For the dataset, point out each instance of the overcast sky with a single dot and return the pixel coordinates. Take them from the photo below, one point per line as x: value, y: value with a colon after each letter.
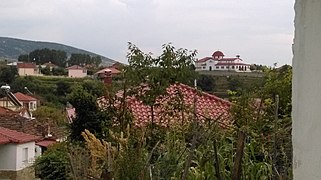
x: 261, y: 31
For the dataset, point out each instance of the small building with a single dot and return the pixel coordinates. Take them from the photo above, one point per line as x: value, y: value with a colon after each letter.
x: 77, y: 71
x: 218, y: 62
x: 28, y: 102
x: 17, y: 154
x: 28, y: 69
x: 49, y: 65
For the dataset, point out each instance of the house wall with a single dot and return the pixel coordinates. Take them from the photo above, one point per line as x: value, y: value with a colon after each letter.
x: 8, y: 159
x: 306, y: 99
x: 77, y: 73
x: 31, y: 155
x: 27, y: 72
x: 9, y: 105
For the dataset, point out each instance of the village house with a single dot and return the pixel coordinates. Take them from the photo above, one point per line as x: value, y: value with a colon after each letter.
x: 77, y: 71
x: 49, y: 65
x: 207, y: 107
x: 19, y: 102
x: 17, y: 153
x: 28, y: 69
x: 218, y: 62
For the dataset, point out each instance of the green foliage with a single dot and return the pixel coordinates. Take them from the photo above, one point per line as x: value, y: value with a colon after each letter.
x: 7, y: 74
x: 206, y: 82
x: 83, y: 59
x: 53, y: 164
x: 88, y: 115
x: 47, y: 114
x: 41, y: 56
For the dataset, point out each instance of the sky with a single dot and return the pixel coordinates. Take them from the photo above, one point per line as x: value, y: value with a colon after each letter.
x: 260, y: 31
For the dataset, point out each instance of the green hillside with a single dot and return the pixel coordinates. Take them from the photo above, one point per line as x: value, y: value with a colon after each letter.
x: 11, y: 48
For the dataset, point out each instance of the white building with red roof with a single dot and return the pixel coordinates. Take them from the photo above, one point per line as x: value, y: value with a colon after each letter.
x: 27, y: 102
x: 28, y: 69
x: 218, y: 62
x: 77, y: 71
x: 17, y: 154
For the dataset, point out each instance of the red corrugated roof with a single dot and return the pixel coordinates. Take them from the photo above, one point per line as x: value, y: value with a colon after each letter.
x: 26, y: 65
x: 76, y: 67
x: 23, y: 97
x: 11, y: 136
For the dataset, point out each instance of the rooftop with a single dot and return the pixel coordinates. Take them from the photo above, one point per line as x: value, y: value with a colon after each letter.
x: 12, y: 136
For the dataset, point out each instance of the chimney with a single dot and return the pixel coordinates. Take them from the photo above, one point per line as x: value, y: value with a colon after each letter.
x: 238, y: 56
x: 107, y: 77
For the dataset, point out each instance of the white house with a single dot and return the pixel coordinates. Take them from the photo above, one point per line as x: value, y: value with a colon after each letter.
x: 28, y: 102
x: 17, y: 154
x: 76, y: 71
x: 218, y: 62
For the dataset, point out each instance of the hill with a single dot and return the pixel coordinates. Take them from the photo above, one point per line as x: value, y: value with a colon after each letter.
x: 11, y: 48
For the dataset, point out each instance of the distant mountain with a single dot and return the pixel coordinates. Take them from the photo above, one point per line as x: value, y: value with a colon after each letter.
x: 11, y: 48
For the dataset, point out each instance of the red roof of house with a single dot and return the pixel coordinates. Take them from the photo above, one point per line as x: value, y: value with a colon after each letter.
x: 76, y: 67
x: 204, y: 59
x: 231, y: 64
x: 49, y: 64
x: 23, y: 97
x: 12, y: 136
x: 26, y: 65
x: 45, y: 143
x: 217, y: 53
x: 109, y: 69
x: 207, y: 107
x: 4, y: 110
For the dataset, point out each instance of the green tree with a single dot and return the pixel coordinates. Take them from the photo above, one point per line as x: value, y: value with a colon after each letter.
x: 172, y: 66
x: 8, y: 74
x: 206, y: 82
x: 53, y: 164
x: 41, y: 56
x: 88, y: 115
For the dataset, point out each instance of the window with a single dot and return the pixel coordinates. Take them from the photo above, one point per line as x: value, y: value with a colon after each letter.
x: 217, y: 67
x: 25, y: 155
x: 222, y: 67
x: 227, y: 67
x: 232, y: 67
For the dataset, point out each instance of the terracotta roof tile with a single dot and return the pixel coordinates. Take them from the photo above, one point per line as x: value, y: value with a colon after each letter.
x: 16, y: 122
x: 46, y: 143
x: 76, y: 67
x: 207, y: 107
x: 26, y: 65
x: 12, y: 136
x: 110, y: 69
x: 23, y: 97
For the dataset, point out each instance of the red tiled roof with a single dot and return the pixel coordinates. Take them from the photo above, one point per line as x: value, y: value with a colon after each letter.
x: 49, y: 64
x: 45, y: 143
x: 76, y: 67
x: 16, y: 122
x: 4, y: 110
x: 217, y: 53
x: 231, y: 64
x: 204, y: 59
x: 12, y: 136
x: 207, y: 107
x: 109, y: 69
x: 26, y: 65
x: 23, y: 97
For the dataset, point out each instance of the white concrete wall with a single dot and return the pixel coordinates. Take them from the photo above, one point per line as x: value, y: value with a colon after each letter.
x: 306, y: 96
x: 8, y: 159
x: 77, y: 73
x: 31, y: 155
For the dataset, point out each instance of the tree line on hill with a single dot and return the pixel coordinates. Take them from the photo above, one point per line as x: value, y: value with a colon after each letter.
x: 59, y: 58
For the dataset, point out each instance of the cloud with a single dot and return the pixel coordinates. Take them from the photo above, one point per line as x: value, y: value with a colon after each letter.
x: 249, y: 27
